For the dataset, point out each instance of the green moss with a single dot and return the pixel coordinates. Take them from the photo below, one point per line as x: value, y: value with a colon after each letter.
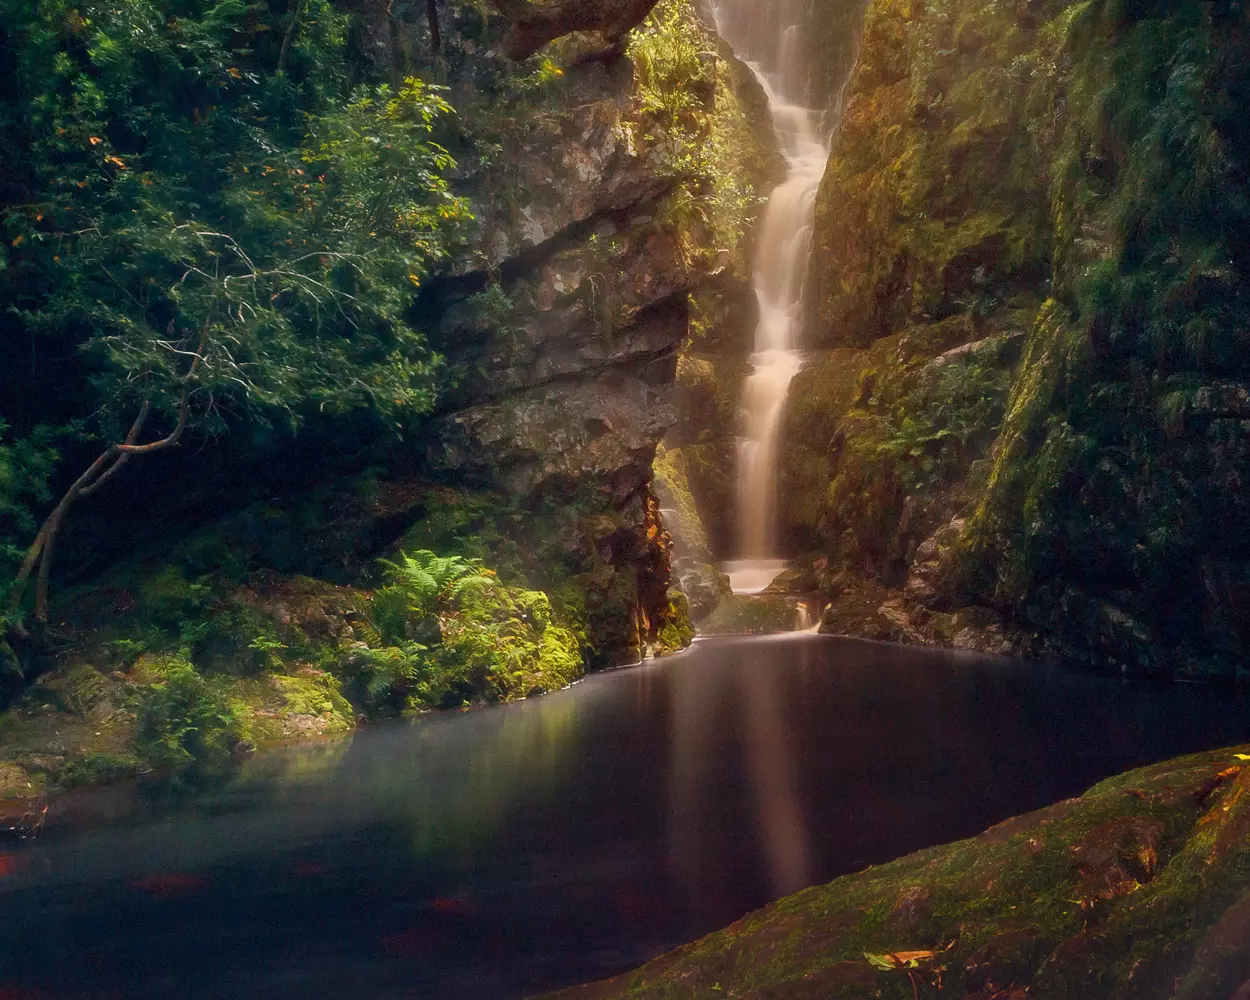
x: 316, y: 695
x: 739, y: 615
x: 681, y: 512
x: 1076, y: 171
x: 98, y: 769
x: 75, y: 690
x: 678, y: 631
x: 1114, y: 895
x: 16, y: 783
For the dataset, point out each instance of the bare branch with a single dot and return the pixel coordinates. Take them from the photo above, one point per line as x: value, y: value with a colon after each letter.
x: 135, y: 428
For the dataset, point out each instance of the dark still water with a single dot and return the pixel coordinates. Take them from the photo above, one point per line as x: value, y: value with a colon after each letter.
x: 501, y: 852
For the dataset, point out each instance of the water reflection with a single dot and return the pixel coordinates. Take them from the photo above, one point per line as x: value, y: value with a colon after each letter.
x: 501, y: 852
x: 696, y: 719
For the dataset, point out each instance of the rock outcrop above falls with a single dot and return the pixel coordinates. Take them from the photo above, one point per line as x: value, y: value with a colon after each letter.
x: 576, y: 378
x: 534, y: 23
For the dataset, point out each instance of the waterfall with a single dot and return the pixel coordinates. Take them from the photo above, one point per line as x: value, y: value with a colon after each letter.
x: 768, y: 37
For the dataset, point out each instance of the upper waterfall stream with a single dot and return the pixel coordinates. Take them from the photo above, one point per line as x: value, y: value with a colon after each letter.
x: 768, y: 41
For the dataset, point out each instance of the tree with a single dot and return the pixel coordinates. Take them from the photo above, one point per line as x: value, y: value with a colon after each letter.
x: 222, y: 243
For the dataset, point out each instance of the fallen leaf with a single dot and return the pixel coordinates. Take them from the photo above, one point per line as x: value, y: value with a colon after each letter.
x: 894, y: 960
x: 912, y: 957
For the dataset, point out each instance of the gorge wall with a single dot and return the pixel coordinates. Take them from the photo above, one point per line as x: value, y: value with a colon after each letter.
x: 277, y: 584
x: 602, y: 173
x: 1021, y: 426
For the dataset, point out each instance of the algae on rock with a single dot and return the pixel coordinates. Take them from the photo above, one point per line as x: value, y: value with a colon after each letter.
x: 1135, y: 889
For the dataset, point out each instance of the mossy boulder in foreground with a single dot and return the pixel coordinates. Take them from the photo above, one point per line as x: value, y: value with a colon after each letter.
x: 1138, y: 889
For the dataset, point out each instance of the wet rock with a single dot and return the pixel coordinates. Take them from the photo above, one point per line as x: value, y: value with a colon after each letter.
x: 900, y: 624
x: 793, y: 582
x: 1005, y: 347
x: 704, y: 585
x: 751, y: 615
x: 854, y: 608
x: 534, y: 24
x: 924, y: 575
x: 912, y: 908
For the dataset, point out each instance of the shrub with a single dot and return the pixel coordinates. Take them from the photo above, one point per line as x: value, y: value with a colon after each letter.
x: 184, y: 722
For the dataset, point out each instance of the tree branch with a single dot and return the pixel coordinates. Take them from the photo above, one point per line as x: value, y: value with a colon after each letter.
x: 288, y: 37
x: 135, y: 428
x: 103, y: 468
x: 436, y: 34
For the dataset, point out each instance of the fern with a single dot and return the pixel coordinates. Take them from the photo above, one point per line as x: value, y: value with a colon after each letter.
x: 425, y: 576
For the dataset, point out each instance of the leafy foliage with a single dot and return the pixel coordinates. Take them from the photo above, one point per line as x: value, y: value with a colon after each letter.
x: 694, y: 124
x: 445, y: 630
x: 184, y: 720
x: 203, y: 220
x: 25, y: 467
x: 417, y: 582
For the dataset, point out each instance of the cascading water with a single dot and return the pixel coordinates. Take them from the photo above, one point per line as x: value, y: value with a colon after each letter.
x: 767, y: 36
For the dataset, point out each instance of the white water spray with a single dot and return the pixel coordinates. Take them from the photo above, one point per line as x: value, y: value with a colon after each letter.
x: 768, y: 37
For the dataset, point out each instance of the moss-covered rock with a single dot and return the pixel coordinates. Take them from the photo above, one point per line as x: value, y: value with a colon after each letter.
x: 312, y: 704
x: 1047, y: 176
x: 16, y: 783
x: 1137, y: 889
x: 751, y: 615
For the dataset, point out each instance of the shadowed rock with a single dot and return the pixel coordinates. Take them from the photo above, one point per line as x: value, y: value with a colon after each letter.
x: 537, y: 22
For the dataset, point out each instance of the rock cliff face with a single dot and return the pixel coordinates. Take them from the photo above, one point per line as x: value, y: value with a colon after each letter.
x: 565, y: 318
x: 1029, y: 310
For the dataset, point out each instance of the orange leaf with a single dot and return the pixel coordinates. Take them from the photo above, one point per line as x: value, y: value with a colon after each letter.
x: 95, y: 140
x: 903, y: 957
